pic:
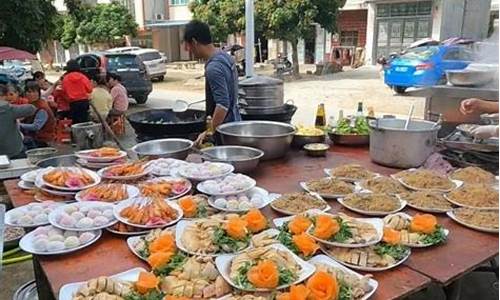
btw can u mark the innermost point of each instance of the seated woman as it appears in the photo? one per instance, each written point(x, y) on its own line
point(13, 95)
point(100, 98)
point(118, 93)
point(39, 130)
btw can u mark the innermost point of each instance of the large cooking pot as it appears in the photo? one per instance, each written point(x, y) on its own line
point(261, 92)
point(165, 122)
point(282, 113)
point(274, 138)
point(392, 145)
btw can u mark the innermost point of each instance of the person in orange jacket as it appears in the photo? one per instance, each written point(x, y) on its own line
point(77, 88)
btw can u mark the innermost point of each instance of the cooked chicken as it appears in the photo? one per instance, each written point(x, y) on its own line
point(263, 239)
point(397, 222)
point(361, 232)
point(359, 286)
point(103, 288)
point(363, 257)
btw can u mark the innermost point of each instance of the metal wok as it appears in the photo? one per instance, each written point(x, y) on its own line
point(165, 122)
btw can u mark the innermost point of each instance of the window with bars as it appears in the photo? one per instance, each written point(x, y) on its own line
point(404, 9)
point(349, 38)
point(178, 2)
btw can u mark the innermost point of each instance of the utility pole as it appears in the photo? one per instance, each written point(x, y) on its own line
point(249, 38)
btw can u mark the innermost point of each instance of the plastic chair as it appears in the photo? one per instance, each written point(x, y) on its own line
point(63, 131)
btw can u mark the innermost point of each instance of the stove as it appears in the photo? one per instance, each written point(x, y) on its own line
point(461, 159)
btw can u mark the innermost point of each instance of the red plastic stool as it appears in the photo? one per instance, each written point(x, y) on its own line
point(63, 131)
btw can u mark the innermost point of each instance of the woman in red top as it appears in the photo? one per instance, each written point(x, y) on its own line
point(77, 88)
point(13, 95)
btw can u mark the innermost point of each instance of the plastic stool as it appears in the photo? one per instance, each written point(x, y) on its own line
point(63, 131)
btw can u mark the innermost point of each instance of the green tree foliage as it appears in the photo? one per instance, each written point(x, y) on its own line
point(26, 24)
point(68, 36)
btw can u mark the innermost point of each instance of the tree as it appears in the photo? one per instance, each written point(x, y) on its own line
point(292, 20)
point(105, 23)
point(26, 24)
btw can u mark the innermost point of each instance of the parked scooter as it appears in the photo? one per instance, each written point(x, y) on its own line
point(282, 65)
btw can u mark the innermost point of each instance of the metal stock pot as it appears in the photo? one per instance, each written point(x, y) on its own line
point(392, 145)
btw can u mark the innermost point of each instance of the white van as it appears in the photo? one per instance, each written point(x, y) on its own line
point(154, 61)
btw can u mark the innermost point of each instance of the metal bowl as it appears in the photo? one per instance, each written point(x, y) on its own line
point(349, 139)
point(300, 140)
point(316, 149)
point(163, 148)
point(467, 77)
point(12, 243)
point(243, 159)
point(274, 138)
point(58, 161)
point(37, 154)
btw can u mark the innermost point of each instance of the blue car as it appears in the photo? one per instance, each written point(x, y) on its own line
point(425, 66)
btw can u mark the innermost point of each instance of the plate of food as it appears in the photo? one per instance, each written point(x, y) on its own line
point(361, 287)
point(195, 206)
point(473, 175)
point(372, 204)
point(99, 165)
point(418, 231)
point(329, 188)
point(167, 187)
point(126, 230)
point(379, 257)
point(485, 220)
point(431, 202)
point(31, 215)
point(297, 203)
point(71, 179)
point(206, 170)
point(156, 240)
point(148, 212)
point(213, 236)
point(255, 198)
point(26, 185)
point(42, 195)
point(30, 176)
point(480, 195)
point(232, 184)
point(350, 172)
point(108, 192)
point(104, 154)
point(426, 180)
point(263, 269)
point(49, 240)
point(83, 216)
point(382, 184)
point(166, 166)
point(51, 191)
point(127, 171)
point(131, 283)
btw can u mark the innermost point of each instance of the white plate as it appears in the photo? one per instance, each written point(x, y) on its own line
point(110, 229)
point(122, 205)
point(303, 185)
point(329, 262)
point(256, 190)
point(25, 185)
point(23, 209)
point(26, 244)
point(179, 230)
point(168, 178)
point(90, 204)
point(97, 165)
point(223, 264)
point(463, 205)
point(68, 290)
point(373, 213)
point(353, 180)
point(457, 183)
point(39, 184)
point(408, 217)
point(92, 174)
point(171, 166)
point(366, 269)
point(30, 176)
point(133, 240)
point(452, 215)
point(375, 222)
point(429, 210)
point(129, 177)
point(201, 187)
point(84, 155)
point(132, 192)
point(288, 213)
point(228, 169)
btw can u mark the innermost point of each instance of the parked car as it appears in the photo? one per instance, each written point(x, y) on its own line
point(154, 61)
point(425, 66)
point(128, 65)
point(123, 49)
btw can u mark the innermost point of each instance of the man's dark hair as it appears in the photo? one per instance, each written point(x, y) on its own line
point(72, 66)
point(38, 75)
point(3, 90)
point(197, 31)
point(32, 86)
point(13, 88)
point(113, 76)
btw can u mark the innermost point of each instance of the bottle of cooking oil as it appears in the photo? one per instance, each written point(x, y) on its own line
point(359, 112)
point(320, 117)
point(210, 128)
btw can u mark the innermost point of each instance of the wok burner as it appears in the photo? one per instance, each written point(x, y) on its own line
point(462, 159)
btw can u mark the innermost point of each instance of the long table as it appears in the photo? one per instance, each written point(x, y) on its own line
point(464, 251)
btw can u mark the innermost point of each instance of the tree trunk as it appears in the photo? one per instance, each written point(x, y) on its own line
point(295, 58)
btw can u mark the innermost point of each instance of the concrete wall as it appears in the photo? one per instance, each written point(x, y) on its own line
point(179, 13)
point(370, 34)
point(353, 20)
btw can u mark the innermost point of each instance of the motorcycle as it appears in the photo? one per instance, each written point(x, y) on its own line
point(238, 53)
point(282, 65)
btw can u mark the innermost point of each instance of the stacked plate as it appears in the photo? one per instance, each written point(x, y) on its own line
point(86, 158)
point(27, 181)
point(67, 188)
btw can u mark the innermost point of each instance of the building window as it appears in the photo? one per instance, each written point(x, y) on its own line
point(179, 2)
point(348, 38)
point(421, 8)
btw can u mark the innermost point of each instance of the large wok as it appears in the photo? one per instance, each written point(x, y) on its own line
point(165, 122)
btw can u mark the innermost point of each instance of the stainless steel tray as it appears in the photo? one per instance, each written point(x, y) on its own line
point(457, 141)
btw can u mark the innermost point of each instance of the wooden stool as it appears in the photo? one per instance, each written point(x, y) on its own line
point(117, 124)
point(63, 131)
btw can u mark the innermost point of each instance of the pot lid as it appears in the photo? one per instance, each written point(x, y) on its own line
point(260, 80)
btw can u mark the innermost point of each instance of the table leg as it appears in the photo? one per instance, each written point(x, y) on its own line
point(42, 284)
point(453, 290)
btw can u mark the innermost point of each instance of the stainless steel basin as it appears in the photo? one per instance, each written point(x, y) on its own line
point(244, 159)
point(163, 148)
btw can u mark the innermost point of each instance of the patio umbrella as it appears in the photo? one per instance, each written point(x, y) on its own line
point(8, 53)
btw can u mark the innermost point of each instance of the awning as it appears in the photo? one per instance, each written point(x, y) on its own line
point(166, 23)
point(8, 53)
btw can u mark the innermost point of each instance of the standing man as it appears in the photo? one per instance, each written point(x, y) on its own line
point(221, 75)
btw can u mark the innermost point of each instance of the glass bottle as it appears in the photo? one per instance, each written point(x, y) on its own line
point(320, 117)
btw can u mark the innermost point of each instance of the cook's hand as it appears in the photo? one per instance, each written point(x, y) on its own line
point(485, 132)
point(201, 137)
point(471, 105)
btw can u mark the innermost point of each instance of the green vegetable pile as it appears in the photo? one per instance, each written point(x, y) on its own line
point(437, 237)
point(398, 252)
point(201, 211)
point(345, 292)
point(151, 295)
point(175, 262)
point(360, 126)
point(285, 238)
point(286, 276)
point(344, 232)
point(227, 244)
